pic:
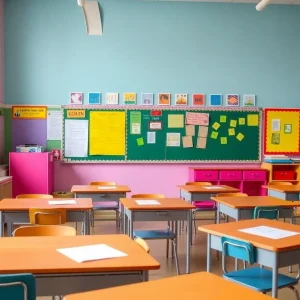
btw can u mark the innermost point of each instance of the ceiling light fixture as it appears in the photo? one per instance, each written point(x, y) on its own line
point(81, 2)
point(262, 4)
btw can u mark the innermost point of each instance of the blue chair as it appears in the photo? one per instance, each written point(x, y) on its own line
point(17, 287)
point(266, 212)
point(256, 278)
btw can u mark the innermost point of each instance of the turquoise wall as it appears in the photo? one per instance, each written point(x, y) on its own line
point(154, 47)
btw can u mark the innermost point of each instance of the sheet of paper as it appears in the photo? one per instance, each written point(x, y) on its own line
point(187, 142)
point(89, 253)
point(54, 125)
point(110, 187)
point(275, 124)
point(62, 202)
point(252, 120)
point(151, 137)
point(107, 133)
point(76, 138)
point(92, 18)
point(203, 131)
point(140, 141)
point(214, 135)
point(201, 142)
point(190, 130)
point(173, 139)
point(216, 126)
point(175, 121)
point(223, 140)
point(233, 123)
point(269, 232)
point(240, 137)
point(231, 131)
point(223, 119)
point(242, 121)
point(192, 118)
point(213, 187)
point(147, 202)
point(135, 122)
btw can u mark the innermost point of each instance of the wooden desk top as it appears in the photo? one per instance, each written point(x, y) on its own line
point(11, 204)
point(38, 255)
point(253, 201)
point(92, 189)
point(202, 190)
point(231, 229)
point(165, 204)
point(176, 288)
point(283, 188)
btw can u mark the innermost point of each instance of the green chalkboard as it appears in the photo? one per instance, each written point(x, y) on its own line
point(234, 138)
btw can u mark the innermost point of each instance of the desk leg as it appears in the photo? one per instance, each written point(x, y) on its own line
point(122, 227)
point(275, 276)
point(188, 240)
point(208, 255)
point(86, 222)
point(1, 224)
point(130, 224)
point(236, 266)
point(145, 276)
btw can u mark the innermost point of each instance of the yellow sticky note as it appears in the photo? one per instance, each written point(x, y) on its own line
point(214, 135)
point(223, 119)
point(240, 137)
point(242, 121)
point(231, 131)
point(233, 123)
point(223, 140)
point(252, 120)
point(216, 126)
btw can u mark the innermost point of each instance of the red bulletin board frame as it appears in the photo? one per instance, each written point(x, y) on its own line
point(266, 132)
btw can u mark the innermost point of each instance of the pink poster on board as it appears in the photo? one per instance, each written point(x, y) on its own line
point(196, 118)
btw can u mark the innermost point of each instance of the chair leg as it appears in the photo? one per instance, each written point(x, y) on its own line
point(167, 249)
point(176, 257)
point(92, 221)
point(295, 291)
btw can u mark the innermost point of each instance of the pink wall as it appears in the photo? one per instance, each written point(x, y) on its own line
point(150, 178)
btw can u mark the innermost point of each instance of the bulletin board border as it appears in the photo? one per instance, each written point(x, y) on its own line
point(265, 131)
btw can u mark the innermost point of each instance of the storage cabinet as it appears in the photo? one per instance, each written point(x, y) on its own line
point(249, 181)
point(32, 173)
point(5, 187)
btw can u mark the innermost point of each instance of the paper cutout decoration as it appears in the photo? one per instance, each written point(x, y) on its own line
point(232, 100)
point(203, 131)
point(240, 137)
point(164, 99)
point(140, 141)
point(242, 121)
point(214, 135)
point(76, 98)
point(187, 142)
point(223, 140)
point(216, 126)
point(223, 119)
point(181, 99)
point(201, 142)
point(175, 121)
point(94, 98)
point(199, 99)
point(252, 120)
point(192, 118)
point(189, 130)
point(147, 99)
point(129, 98)
point(215, 100)
point(231, 131)
point(233, 123)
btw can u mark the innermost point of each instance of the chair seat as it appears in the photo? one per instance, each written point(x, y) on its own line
point(105, 205)
point(204, 205)
point(259, 279)
point(154, 234)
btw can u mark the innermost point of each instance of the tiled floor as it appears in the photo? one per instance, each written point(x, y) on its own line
point(198, 255)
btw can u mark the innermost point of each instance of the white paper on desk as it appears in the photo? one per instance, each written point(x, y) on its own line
point(269, 232)
point(213, 187)
point(90, 253)
point(147, 202)
point(58, 202)
point(106, 187)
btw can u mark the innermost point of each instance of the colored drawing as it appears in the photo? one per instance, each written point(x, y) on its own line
point(233, 123)
point(215, 100)
point(147, 99)
point(175, 121)
point(249, 100)
point(240, 137)
point(187, 142)
point(201, 142)
point(252, 120)
point(214, 135)
point(164, 99)
point(223, 140)
point(76, 98)
point(231, 131)
point(112, 98)
point(223, 119)
point(275, 139)
point(189, 130)
point(181, 99)
point(288, 128)
point(197, 118)
point(129, 98)
point(29, 112)
point(140, 141)
point(94, 98)
point(199, 99)
point(242, 121)
point(232, 100)
point(216, 126)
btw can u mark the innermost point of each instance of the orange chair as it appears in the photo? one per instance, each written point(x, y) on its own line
point(47, 230)
point(142, 244)
point(47, 216)
point(41, 196)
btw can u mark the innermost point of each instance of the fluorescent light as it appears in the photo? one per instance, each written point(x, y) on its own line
point(81, 2)
point(262, 4)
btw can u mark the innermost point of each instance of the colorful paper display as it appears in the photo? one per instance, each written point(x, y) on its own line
point(197, 118)
point(216, 126)
point(175, 121)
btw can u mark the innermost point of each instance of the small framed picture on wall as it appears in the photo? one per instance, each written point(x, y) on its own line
point(249, 100)
point(164, 99)
point(147, 98)
point(76, 98)
point(215, 100)
point(232, 100)
point(198, 99)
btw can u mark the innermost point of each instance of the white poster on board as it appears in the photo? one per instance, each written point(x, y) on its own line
point(76, 138)
point(54, 125)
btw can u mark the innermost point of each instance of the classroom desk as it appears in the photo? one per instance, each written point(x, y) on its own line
point(285, 192)
point(273, 253)
point(57, 274)
point(169, 209)
point(241, 208)
point(200, 285)
point(98, 195)
point(16, 210)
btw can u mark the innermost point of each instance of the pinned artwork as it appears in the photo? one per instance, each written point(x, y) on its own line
point(216, 100)
point(232, 100)
point(198, 99)
point(164, 99)
point(76, 98)
point(129, 98)
point(112, 98)
point(181, 99)
point(147, 99)
point(94, 98)
point(249, 100)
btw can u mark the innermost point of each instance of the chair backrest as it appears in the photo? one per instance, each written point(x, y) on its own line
point(143, 244)
point(266, 212)
point(42, 196)
point(45, 230)
point(103, 183)
point(232, 195)
point(47, 216)
point(17, 287)
point(148, 196)
point(198, 183)
point(280, 183)
point(237, 249)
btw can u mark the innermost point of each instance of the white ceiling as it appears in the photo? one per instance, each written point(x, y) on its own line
point(294, 2)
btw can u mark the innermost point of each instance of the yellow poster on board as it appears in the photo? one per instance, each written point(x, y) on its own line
point(107, 133)
point(29, 112)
